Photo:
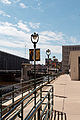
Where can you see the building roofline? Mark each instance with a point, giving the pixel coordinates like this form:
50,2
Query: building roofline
69,45
13,55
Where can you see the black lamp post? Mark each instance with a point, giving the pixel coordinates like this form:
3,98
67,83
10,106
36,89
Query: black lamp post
48,52
34,40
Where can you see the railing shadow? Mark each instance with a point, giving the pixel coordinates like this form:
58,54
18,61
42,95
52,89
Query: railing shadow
58,115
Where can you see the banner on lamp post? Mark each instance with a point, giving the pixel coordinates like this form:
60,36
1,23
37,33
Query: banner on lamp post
37,54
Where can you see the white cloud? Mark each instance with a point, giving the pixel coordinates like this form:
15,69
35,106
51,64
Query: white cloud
11,37
6,1
48,36
4,14
15,1
10,30
53,35
34,25
73,39
11,43
14,35
54,49
23,26
23,5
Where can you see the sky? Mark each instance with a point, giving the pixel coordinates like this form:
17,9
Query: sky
56,21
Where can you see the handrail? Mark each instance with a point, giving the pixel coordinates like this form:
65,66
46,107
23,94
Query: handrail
10,86
17,89
38,106
19,101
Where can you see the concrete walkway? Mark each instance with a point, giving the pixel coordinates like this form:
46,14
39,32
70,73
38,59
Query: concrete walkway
67,97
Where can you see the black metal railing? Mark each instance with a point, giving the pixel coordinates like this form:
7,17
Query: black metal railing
12,98
44,107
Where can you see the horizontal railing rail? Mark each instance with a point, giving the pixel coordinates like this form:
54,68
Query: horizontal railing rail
17,94
12,115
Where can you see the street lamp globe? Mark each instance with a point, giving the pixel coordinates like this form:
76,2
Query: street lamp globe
48,52
34,38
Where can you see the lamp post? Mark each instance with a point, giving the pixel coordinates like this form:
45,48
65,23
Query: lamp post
48,52
25,50
34,40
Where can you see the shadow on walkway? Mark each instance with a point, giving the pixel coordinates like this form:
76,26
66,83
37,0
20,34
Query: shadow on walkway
57,115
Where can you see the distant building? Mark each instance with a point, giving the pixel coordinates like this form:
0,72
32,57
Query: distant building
65,56
74,61
11,62
54,65
48,61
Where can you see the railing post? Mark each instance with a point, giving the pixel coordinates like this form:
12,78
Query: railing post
12,96
65,116
21,115
35,104
54,115
58,115
52,98
22,111
49,104
41,96
52,104
39,114
22,93
1,104
61,116
22,102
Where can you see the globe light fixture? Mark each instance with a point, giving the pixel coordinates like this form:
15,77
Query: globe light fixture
48,52
34,38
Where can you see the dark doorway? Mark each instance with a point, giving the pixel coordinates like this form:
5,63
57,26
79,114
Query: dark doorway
79,66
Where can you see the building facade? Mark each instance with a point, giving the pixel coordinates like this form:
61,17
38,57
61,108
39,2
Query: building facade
65,56
74,61
11,62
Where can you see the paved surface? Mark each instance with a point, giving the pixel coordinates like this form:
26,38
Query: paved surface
67,97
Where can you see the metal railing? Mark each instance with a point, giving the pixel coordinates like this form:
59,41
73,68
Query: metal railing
15,98
44,107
